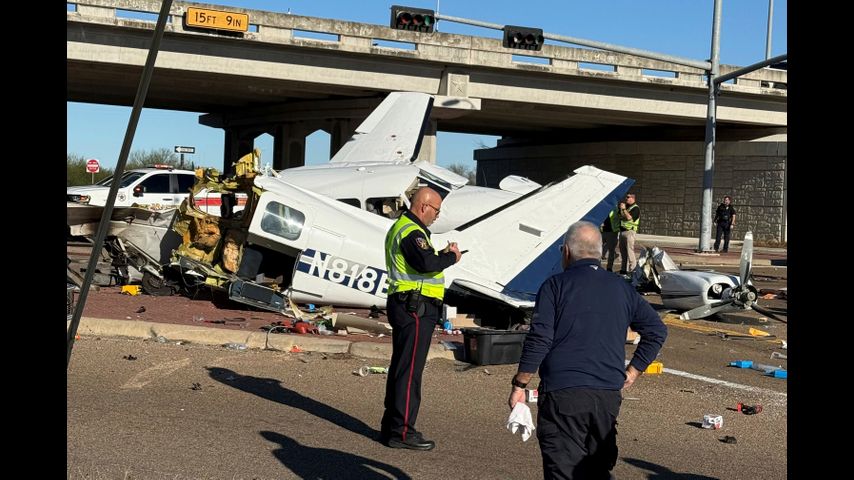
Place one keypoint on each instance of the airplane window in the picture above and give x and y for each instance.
(389, 207)
(439, 189)
(436, 183)
(351, 201)
(282, 221)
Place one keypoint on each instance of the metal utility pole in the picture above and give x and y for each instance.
(711, 66)
(709, 164)
(139, 101)
(436, 28)
(770, 23)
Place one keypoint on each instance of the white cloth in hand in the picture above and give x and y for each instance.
(521, 420)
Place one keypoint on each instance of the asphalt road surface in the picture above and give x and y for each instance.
(139, 409)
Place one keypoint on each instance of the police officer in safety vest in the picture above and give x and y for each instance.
(415, 293)
(629, 222)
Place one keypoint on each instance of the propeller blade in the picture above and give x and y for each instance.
(746, 258)
(767, 313)
(705, 310)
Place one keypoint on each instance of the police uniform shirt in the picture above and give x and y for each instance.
(418, 253)
(724, 214)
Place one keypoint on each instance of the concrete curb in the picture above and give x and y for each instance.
(108, 327)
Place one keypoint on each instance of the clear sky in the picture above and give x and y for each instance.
(674, 27)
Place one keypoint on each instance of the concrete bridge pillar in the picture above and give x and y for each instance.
(238, 142)
(342, 130)
(289, 145)
(428, 143)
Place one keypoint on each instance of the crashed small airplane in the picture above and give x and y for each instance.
(701, 294)
(315, 234)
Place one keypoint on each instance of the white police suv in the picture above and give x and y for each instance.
(161, 184)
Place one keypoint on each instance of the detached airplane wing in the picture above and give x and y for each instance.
(514, 249)
(392, 133)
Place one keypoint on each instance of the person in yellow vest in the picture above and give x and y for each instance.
(629, 222)
(610, 232)
(415, 294)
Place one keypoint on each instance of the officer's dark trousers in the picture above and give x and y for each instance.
(411, 336)
(725, 229)
(577, 430)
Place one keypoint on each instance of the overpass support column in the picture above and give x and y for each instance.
(288, 146)
(238, 142)
(342, 130)
(428, 143)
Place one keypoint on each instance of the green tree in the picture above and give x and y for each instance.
(76, 173)
(461, 170)
(148, 158)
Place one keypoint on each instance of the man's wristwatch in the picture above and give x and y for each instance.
(517, 383)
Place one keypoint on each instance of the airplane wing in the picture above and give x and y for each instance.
(392, 133)
(515, 248)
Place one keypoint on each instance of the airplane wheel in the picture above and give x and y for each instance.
(153, 285)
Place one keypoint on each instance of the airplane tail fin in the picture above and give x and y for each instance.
(392, 133)
(515, 248)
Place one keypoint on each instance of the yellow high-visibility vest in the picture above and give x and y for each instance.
(401, 276)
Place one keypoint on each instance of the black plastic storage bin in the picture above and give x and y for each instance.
(485, 346)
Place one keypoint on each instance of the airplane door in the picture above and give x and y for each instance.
(337, 248)
(322, 254)
(281, 223)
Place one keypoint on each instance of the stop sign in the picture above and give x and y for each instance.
(92, 166)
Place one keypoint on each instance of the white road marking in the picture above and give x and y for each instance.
(724, 383)
(148, 375)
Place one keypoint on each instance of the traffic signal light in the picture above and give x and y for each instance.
(416, 19)
(523, 37)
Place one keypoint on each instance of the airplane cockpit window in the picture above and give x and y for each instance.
(282, 221)
(442, 187)
(351, 201)
(389, 207)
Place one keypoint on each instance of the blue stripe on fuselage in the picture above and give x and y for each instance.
(528, 281)
(344, 272)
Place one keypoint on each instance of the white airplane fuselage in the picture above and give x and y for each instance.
(337, 247)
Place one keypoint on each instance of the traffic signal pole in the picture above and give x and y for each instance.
(590, 43)
(711, 116)
(711, 68)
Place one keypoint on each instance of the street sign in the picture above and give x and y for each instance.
(185, 149)
(93, 166)
(216, 20)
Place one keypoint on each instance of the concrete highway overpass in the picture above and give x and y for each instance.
(273, 79)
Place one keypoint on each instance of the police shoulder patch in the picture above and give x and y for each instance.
(422, 243)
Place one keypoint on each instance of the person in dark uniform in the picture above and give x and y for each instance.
(415, 293)
(610, 236)
(725, 220)
(576, 340)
